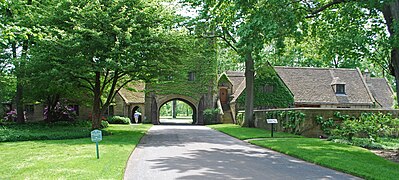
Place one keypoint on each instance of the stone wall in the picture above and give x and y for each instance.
(309, 127)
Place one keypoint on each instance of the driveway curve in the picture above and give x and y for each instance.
(198, 152)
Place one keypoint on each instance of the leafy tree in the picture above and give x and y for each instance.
(247, 26)
(365, 13)
(103, 45)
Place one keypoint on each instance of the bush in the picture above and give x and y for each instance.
(370, 125)
(118, 120)
(210, 116)
(104, 124)
(44, 131)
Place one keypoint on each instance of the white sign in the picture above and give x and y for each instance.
(271, 121)
(96, 136)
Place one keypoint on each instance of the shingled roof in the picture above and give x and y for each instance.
(133, 93)
(237, 79)
(381, 91)
(314, 85)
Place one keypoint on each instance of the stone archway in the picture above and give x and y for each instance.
(188, 100)
(194, 116)
(155, 102)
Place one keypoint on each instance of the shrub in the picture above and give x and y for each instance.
(368, 125)
(210, 116)
(118, 120)
(104, 124)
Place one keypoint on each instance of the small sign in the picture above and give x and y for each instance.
(271, 121)
(96, 136)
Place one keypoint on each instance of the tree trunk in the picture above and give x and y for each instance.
(96, 114)
(391, 16)
(249, 90)
(174, 113)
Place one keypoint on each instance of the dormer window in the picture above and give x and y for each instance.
(338, 86)
(340, 89)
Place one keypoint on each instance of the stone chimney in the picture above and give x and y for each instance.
(366, 75)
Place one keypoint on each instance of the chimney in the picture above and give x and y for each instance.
(366, 75)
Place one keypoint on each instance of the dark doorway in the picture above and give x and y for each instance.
(136, 115)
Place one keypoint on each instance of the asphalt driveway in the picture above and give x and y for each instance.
(198, 152)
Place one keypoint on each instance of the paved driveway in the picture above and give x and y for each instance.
(198, 152)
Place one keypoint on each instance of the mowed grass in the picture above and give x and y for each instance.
(71, 159)
(248, 133)
(350, 159)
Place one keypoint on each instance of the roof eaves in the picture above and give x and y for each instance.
(365, 85)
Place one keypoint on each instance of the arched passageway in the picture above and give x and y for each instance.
(177, 111)
(137, 115)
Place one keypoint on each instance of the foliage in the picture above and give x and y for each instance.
(104, 124)
(290, 121)
(182, 109)
(383, 143)
(45, 131)
(349, 159)
(118, 120)
(326, 124)
(211, 116)
(200, 60)
(249, 133)
(71, 159)
(101, 46)
(60, 113)
(370, 125)
(270, 91)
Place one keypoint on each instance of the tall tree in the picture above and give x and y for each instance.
(390, 12)
(104, 45)
(247, 26)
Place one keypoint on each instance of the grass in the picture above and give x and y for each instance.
(71, 159)
(44, 131)
(248, 133)
(350, 159)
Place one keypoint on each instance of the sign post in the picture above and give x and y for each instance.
(272, 122)
(96, 136)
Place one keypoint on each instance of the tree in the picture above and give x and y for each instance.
(247, 26)
(390, 12)
(104, 45)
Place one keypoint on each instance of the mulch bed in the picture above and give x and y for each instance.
(392, 155)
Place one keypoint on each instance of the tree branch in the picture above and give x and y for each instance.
(85, 79)
(314, 12)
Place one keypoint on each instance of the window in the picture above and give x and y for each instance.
(30, 109)
(340, 89)
(109, 111)
(267, 88)
(191, 76)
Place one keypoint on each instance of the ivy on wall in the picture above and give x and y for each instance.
(269, 90)
(201, 61)
(290, 121)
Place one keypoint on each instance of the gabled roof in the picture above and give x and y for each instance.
(237, 79)
(314, 85)
(381, 91)
(133, 93)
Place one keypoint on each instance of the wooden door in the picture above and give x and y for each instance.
(223, 95)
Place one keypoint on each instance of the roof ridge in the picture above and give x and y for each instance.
(316, 68)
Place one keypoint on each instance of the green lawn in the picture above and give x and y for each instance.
(71, 159)
(350, 159)
(248, 133)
